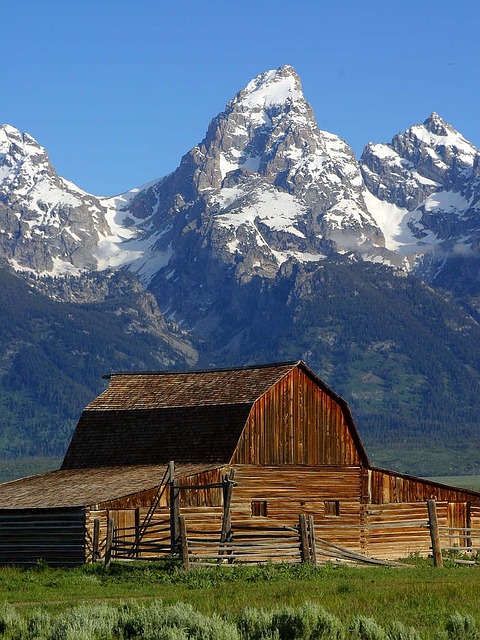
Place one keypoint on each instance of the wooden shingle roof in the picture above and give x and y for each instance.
(158, 390)
(86, 487)
(152, 418)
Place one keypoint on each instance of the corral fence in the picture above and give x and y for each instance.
(249, 544)
(164, 533)
(167, 532)
(452, 541)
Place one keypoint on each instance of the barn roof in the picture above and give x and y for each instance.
(186, 416)
(166, 389)
(86, 487)
(154, 417)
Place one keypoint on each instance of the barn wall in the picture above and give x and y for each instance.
(285, 492)
(296, 422)
(274, 495)
(388, 486)
(54, 535)
(397, 530)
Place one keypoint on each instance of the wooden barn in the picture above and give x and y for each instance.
(224, 465)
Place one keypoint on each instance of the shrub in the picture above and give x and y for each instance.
(161, 622)
(460, 627)
(398, 631)
(38, 625)
(256, 624)
(85, 622)
(308, 622)
(363, 628)
(12, 625)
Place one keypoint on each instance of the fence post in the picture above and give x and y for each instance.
(313, 548)
(174, 513)
(96, 540)
(225, 533)
(302, 527)
(109, 542)
(434, 534)
(184, 543)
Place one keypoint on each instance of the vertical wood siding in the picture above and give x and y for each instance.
(387, 486)
(296, 422)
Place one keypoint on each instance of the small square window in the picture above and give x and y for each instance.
(332, 507)
(259, 508)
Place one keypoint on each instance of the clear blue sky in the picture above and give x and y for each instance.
(117, 91)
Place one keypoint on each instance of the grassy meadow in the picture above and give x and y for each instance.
(241, 602)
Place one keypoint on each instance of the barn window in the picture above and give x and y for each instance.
(332, 507)
(259, 508)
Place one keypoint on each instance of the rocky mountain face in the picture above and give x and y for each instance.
(265, 186)
(47, 224)
(430, 176)
(269, 241)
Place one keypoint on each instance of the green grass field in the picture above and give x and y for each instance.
(417, 596)
(466, 482)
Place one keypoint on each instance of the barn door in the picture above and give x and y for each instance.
(458, 522)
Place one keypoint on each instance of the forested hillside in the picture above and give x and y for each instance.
(53, 356)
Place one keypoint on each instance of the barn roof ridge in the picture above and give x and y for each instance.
(172, 372)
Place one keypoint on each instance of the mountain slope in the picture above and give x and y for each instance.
(53, 355)
(428, 179)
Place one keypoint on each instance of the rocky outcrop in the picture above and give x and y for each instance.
(47, 224)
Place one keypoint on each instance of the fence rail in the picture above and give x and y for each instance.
(247, 544)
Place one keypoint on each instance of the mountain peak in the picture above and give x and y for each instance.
(23, 143)
(270, 88)
(437, 125)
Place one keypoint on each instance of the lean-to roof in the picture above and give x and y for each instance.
(86, 487)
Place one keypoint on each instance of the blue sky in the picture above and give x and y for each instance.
(118, 91)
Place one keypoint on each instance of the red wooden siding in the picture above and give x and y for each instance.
(297, 422)
(390, 487)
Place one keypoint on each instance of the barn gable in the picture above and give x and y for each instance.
(300, 421)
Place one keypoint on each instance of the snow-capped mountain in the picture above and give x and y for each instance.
(47, 224)
(265, 186)
(424, 192)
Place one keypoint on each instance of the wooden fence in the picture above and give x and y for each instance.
(256, 544)
(448, 541)
(216, 540)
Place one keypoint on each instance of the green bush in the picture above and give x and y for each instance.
(38, 625)
(256, 624)
(160, 622)
(12, 625)
(398, 631)
(308, 622)
(85, 622)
